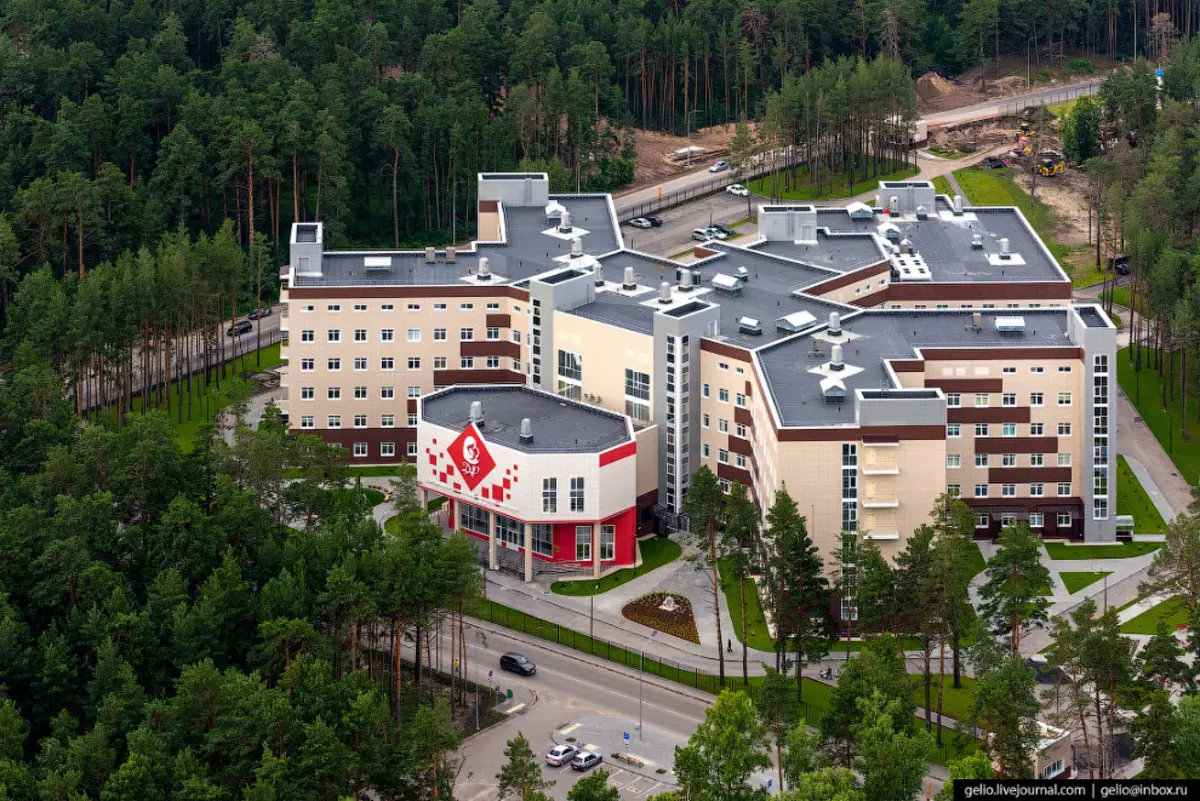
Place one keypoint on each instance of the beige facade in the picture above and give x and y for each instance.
(606, 352)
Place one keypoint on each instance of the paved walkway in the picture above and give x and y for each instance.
(1136, 443)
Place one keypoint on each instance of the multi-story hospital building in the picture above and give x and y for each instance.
(560, 388)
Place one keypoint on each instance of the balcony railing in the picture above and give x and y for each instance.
(880, 499)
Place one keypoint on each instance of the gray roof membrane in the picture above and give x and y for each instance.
(559, 425)
(879, 335)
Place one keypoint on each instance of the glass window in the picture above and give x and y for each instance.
(472, 518)
(981, 429)
(739, 399)
(1037, 429)
(954, 490)
(334, 335)
(549, 494)
(492, 362)
(307, 335)
(387, 335)
(722, 425)
(467, 362)
(1009, 399)
(334, 364)
(570, 365)
(466, 334)
(1037, 489)
(1036, 519)
(1037, 399)
(638, 412)
(953, 460)
(583, 543)
(543, 539)
(704, 390)
(723, 395)
(360, 393)
(414, 362)
(360, 421)
(360, 335)
(981, 400)
(439, 334)
(1037, 459)
(1064, 399)
(981, 460)
(510, 531)
(954, 429)
(387, 393)
(306, 421)
(492, 333)
(360, 364)
(577, 495)
(1064, 489)
(360, 449)
(387, 363)
(1008, 490)
(306, 393)
(307, 365)
(335, 421)
(1064, 429)
(1064, 459)
(608, 543)
(439, 362)
(1008, 460)
(414, 392)
(953, 399)
(387, 420)
(1008, 429)
(981, 490)
(414, 335)
(982, 520)
(637, 384)
(1064, 519)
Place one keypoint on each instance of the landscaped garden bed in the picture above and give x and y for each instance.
(678, 622)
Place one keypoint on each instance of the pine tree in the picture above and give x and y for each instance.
(1016, 578)
(1154, 733)
(521, 776)
(1159, 660)
(703, 508)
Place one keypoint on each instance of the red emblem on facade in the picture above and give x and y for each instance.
(470, 456)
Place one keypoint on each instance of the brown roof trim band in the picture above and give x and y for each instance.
(408, 291)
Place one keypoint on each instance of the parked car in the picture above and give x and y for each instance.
(701, 235)
(240, 327)
(655, 221)
(517, 663)
(716, 233)
(259, 313)
(737, 189)
(640, 222)
(561, 754)
(719, 166)
(725, 229)
(1120, 263)
(585, 760)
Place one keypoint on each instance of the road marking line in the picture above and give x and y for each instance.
(570, 728)
(514, 709)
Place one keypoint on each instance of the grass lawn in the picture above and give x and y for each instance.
(1074, 582)
(955, 703)
(184, 433)
(816, 695)
(1133, 500)
(656, 552)
(365, 472)
(1173, 610)
(800, 190)
(758, 636)
(986, 187)
(1061, 110)
(1120, 296)
(1124, 550)
(1081, 264)
(978, 563)
(1144, 389)
(941, 185)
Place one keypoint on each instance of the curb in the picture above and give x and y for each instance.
(622, 765)
(603, 664)
(502, 721)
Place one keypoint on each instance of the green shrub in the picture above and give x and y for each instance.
(1081, 66)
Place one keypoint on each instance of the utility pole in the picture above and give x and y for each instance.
(642, 681)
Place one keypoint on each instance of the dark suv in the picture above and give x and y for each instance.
(517, 663)
(241, 327)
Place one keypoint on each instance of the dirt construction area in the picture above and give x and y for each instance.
(661, 156)
(935, 93)
(1066, 194)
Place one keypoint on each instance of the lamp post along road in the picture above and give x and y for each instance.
(642, 681)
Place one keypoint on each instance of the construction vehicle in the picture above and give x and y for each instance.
(1026, 130)
(1050, 163)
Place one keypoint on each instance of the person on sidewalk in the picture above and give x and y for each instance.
(729, 646)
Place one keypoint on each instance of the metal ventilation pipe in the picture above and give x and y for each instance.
(835, 324)
(977, 320)
(599, 275)
(526, 430)
(664, 292)
(576, 247)
(630, 281)
(485, 274)
(685, 280)
(1004, 247)
(958, 204)
(835, 358)
(477, 413)
(564, 222)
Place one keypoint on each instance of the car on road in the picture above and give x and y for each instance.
(586, 760)
(517, 663)
(259, 313)
(654, 221)
(719, 166)
(240, 327)
(725, 229)
(737, 189)
(714, 232)
(640, 222)
(561, 754)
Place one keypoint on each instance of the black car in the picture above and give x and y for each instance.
(517, 663)
(725, 229)
(655, 221)
(258, 314)
(240, 328)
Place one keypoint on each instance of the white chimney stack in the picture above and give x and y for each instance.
(630, 282)
(485, 274)
(685, 280)
(599, 275)
(958, 204)
(564, 222)
(664, 292)
(477, 413)
(835, 324)
(835, 358)
(576, 247)
(526, 430)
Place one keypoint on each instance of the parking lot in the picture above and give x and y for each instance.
(675, 234)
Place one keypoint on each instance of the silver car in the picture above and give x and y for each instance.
(640, 222)
(560, 755)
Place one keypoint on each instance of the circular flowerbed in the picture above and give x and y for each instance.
(678, 622)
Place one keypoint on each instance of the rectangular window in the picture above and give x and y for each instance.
(387, 363)
(360, 393)
(705, 420)
(387, 420)
(953, 460)
(1037, 489)
(1100, 363)
(333, 335)
(739, 430)
(1064, 399)
(360, 364)
(360, 449)
(387, 307)
(740, 460)
(1036, 370)
(307, 335)
(954, 429)
(543, 539)
(637, 384)
(583, 543)
(334, 364)
(638, 412)
(509, 531)
(439, 362)
(387, 393)
(981, 400)
(334, 307)
(1009, 399)
(1037, 429)
(439, 307)
(1064, 489)
(1037, 460)
(360, 421)
(608, 543)
(1064, 458)
(1008, 460)
(472, 518)
(1037, 520)
(335, 421)
(981, 490)
(723, 395)
(704, 389)
(413, 307)
(981, 460)
(954, 490)
(387, 335)
(739, 400)
(1008, 429)
(722, 456)
(1037, 399)
(722, 425)
(466, 306)
(577, 496)
(982, 520)
(412, 420)
(570, 365)
(493, 306)
(414, 335)
(550, 495)
(306, 365)
(360, 335)
(1064, 368)
(414, 392)
(306, 393)
(334, 393)
(981, 429)
(492, 362)
(1008, 490)
(1005, 370)
(306, 421)
(514, 335)
(1064, 519)
(953, 399)
(1064, 429)
(414, 362)
(467, 362)
(492, 333)
(439, 335)
(466, 334)
(704, 450)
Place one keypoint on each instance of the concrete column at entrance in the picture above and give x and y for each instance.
(528, 552)
(493, 562)
(424, 498)
(596, 550)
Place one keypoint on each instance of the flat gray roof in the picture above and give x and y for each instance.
(1092, 318)
(840, 251)
(559, 425)
(887, 334)
(528, 251)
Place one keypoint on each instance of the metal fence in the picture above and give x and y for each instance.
(1017, 105)
(668, 199)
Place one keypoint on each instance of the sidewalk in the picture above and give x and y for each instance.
(1136, 443)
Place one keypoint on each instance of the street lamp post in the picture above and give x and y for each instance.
(642, 681)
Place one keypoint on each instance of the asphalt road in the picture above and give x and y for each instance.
(675, 234)
(985, 110)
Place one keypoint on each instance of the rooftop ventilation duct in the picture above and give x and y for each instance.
(526, 431)
(485, 274)
(430, 255)
(685, 280)
(743, 273)
(1004, 251)
(835, 359)
(750, 326)
(629, 283)
(564, 222)
(977, 321)
(451, 255)
(576, 247)
(1010, 325)
(599, 275)
(922, 213)
(796, 321)
(977, 242)
(664, 293)
(727, 283)
(835, 324)
(377, 263)
(958, 204)
(477, 413)
(893, 204)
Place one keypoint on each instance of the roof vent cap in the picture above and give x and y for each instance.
(477, 413)
(835, 324)
(485, 274)
(526, 431)
(629, 283)
(564, 222)
(664, 293)
(835, 358)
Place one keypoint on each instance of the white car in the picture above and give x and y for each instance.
(560, 755)
(720, 166)
(737, 189)
(640, 222)
(717, 233)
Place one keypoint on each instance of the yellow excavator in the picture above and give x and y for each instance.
(1050, 163)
